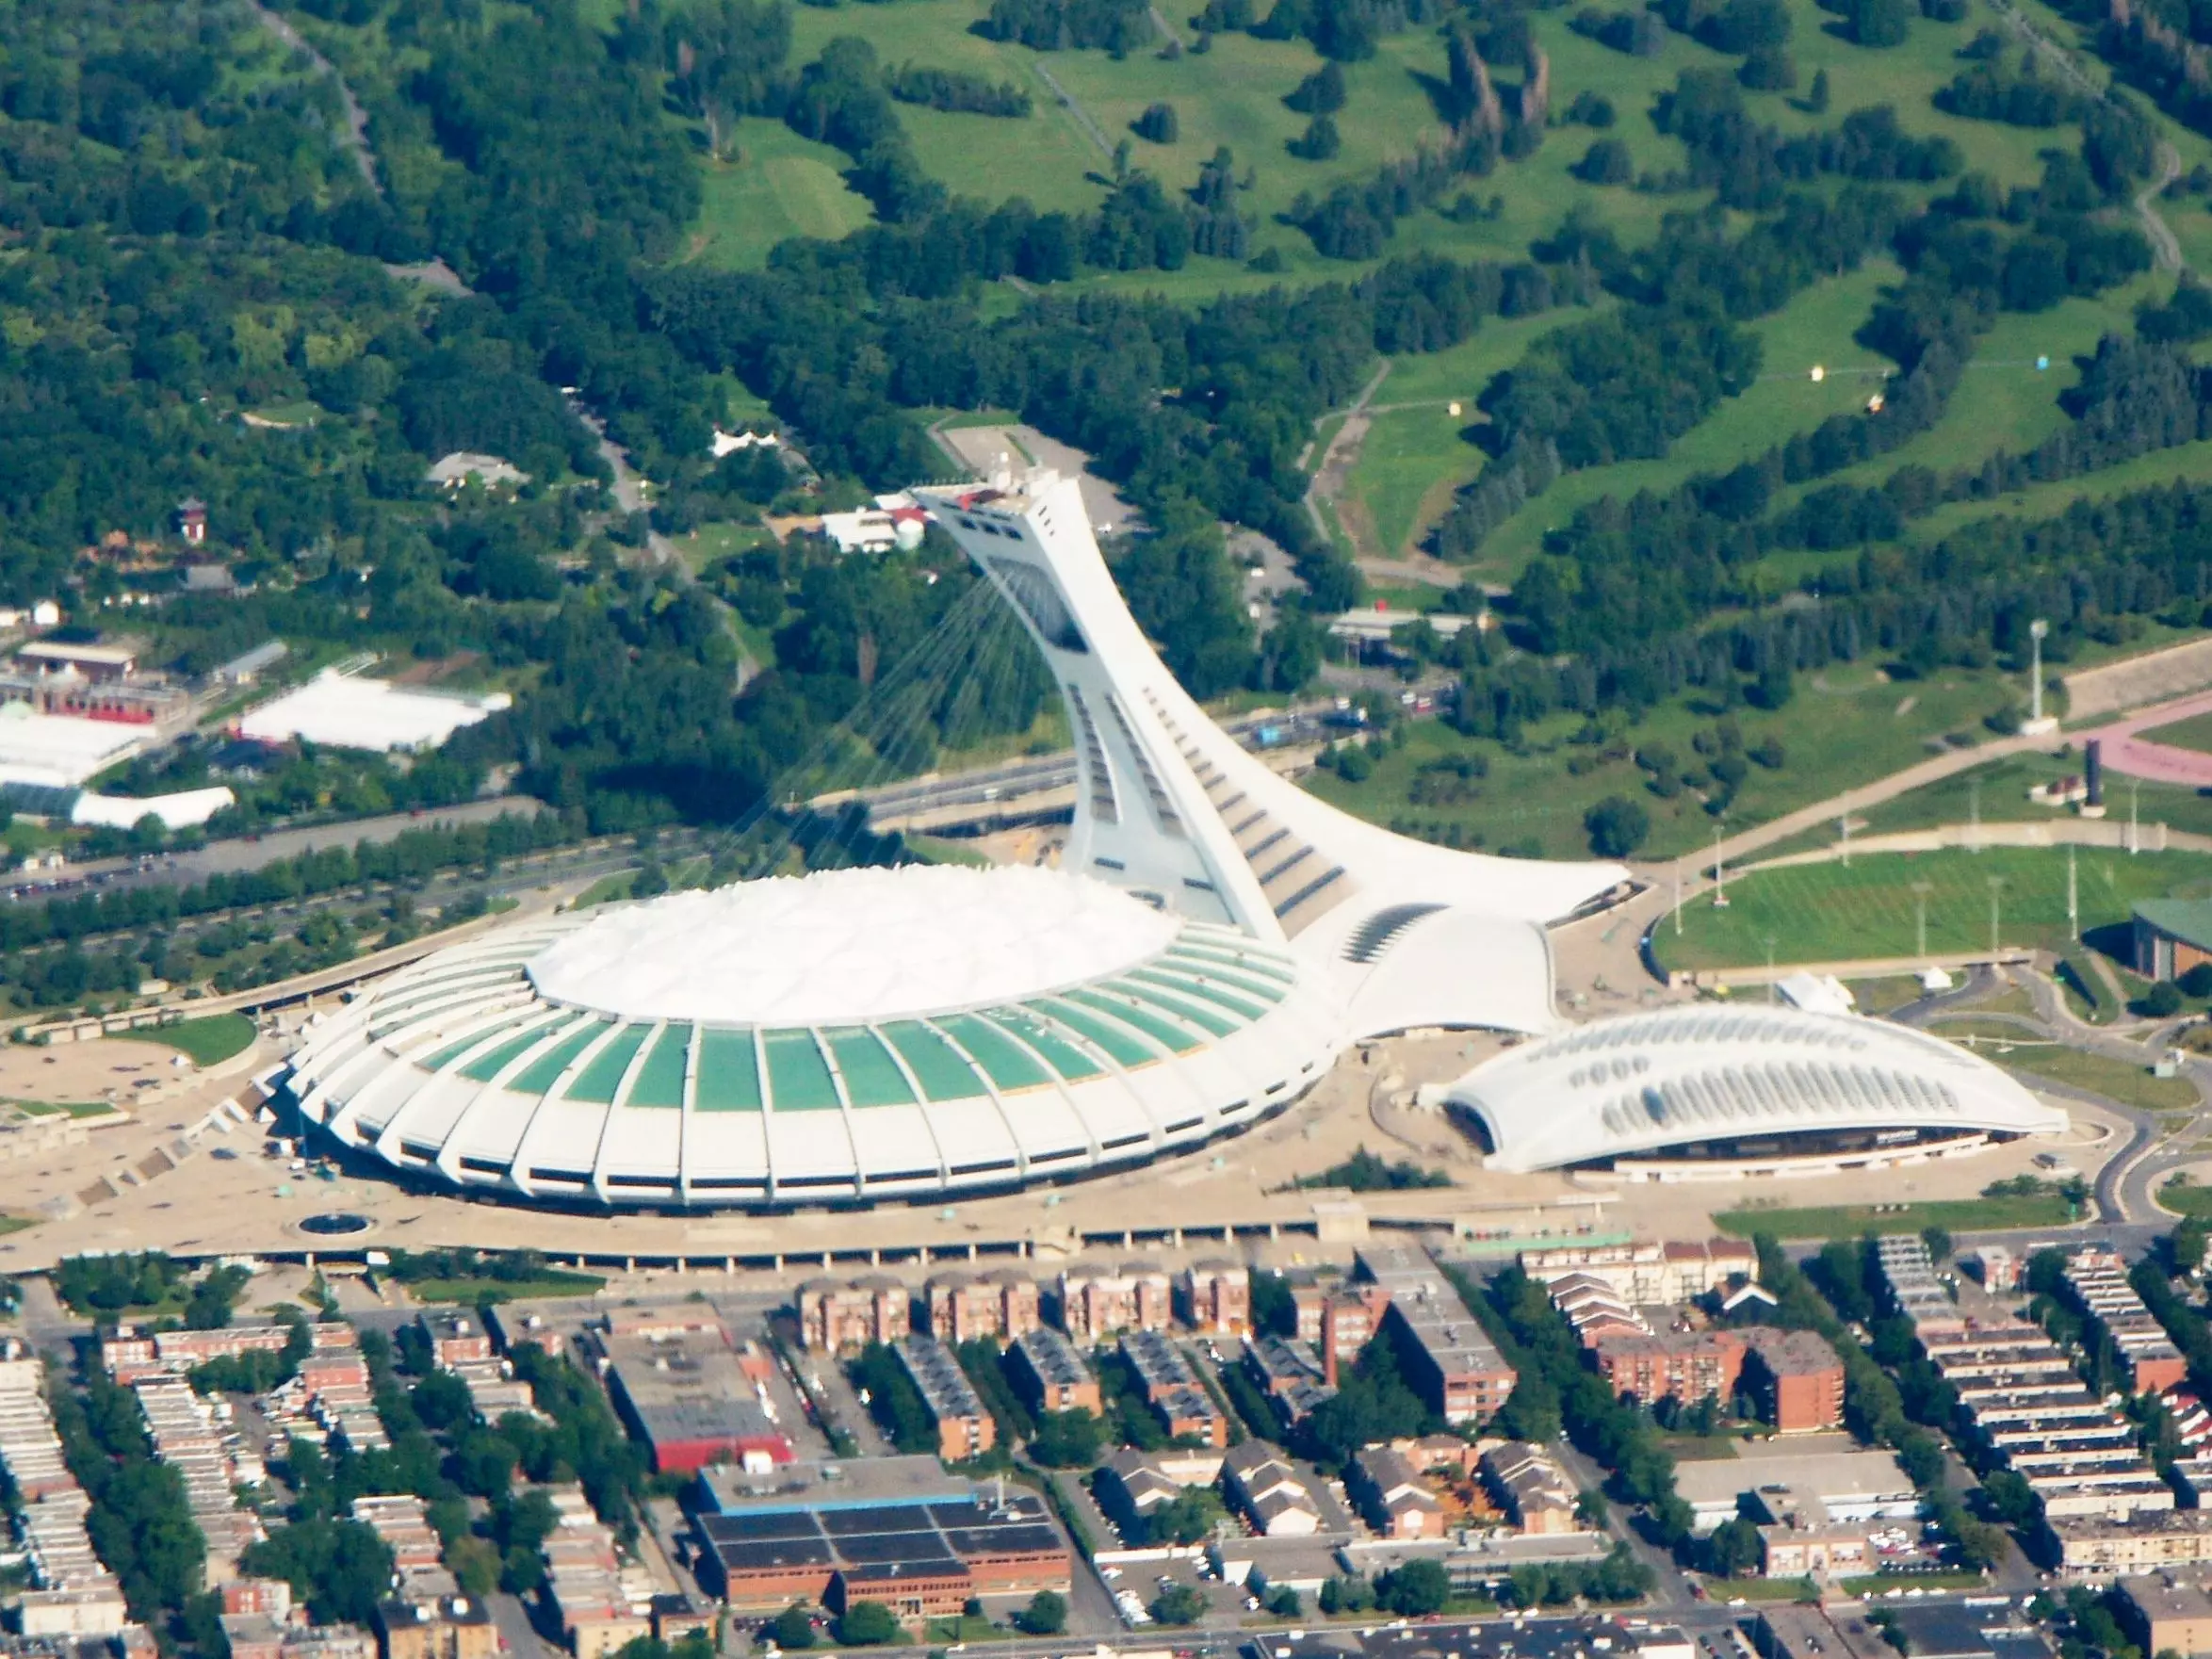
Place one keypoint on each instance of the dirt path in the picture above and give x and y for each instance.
(1076, 112)
(1340, 454)
(356, 138)
(2165, 246)
(2164, 243)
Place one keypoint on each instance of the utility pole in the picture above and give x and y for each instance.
(1920, 893)
(2073, 906)
(1997, 887)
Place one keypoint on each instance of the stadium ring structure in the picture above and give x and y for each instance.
(1212, 939)
(1705, 1092)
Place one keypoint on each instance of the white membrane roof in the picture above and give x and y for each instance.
(1670, 1077)
(850, 947)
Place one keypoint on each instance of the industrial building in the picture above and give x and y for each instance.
(694, 1401)
(897, 1529)
(1447, 1357)
(2171, 935)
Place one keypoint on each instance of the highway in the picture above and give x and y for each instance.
(1003, 785)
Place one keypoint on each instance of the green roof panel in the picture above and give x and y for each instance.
(1174, 1037)
(935, 1064)
(1059, 1053)
(545, 1072)
(729, 1076)
(1008, 1066)
(595, 1084)
(1211, 991)
(1177, 1007)
(660, 1080)
(872, 1078)
(486, 1066)
(799, 1079)
(1115, 1039)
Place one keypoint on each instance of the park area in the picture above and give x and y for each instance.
(1872, 907)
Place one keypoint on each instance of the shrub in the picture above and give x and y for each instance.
(1606, 162)
(1617, 826)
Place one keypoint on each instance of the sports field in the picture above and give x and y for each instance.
(1828, 913)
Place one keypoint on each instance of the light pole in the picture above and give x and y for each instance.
(1770, 971)
(1997, 887)
(1719, 873)
(2073, 908)
(1920, 893)
(1844, 829)
(1973, 814)
(2038, 631)
(2135, 836)
(1678, 898)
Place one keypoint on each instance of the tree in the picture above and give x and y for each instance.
(1283, 1602)
(1320, 93)
(1320, 141)
(1938, 1240)
(1617, 826)
(1342, 1594)
(1734, 1548)
(2198, 981)
(1179, 1604)
(1067, 1439)
(2162, 1000)
(1158, 124)
(1816, 95)
(868, 1624)
(792, 1628)
(1880, 23)
(1045, 1616)
(1590, 1509)
(1419, 1588)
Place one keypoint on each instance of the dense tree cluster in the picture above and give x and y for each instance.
(1753, 166)
(959, 90)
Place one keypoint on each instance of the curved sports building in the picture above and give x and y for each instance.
(1679, 1093)
(1213, 939)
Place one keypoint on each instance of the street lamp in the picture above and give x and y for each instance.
(1920, 893)
(1997, 887)
(2038, 631)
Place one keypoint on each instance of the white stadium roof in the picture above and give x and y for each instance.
(873, 944)
(647, 1091)
(1644, 1083)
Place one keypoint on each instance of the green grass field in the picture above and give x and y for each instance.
(2185, 1198)
(780, 186)
(1849, 1221)
(471, 1291)
(2194, 733)
(1844, 726)
(202, 1041)
(2131, 1085)
(1828, 913)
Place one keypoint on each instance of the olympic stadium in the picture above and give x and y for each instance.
(1212, 939)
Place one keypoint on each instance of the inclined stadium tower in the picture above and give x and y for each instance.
(1211, 942)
